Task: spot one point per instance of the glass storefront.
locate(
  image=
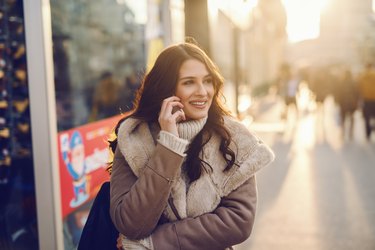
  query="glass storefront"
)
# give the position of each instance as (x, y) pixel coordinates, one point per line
(99, 52)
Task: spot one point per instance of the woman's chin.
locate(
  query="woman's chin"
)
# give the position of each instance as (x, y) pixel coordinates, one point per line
(196, 117)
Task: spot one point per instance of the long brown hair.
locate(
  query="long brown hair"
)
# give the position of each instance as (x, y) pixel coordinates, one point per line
(161, 82)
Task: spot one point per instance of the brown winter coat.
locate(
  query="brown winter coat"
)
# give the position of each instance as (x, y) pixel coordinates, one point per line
(217, 210)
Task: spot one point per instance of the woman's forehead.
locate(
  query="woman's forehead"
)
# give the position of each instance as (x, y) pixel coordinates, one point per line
(193, 67)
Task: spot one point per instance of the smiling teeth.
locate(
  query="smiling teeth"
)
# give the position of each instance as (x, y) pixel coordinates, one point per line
(198, 103)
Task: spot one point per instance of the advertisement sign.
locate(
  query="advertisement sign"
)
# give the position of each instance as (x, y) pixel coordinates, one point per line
(83, 159)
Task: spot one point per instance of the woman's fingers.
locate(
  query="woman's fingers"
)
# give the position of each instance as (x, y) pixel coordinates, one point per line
(170, 106)
(119, 242)
(166, 104)
(170, 114)
(179, 115)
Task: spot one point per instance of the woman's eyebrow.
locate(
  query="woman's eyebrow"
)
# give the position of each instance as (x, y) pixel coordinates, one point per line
(186, 77)
(192, 77)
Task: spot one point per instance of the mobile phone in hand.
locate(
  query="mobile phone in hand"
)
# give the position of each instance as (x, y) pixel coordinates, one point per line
(174, 110)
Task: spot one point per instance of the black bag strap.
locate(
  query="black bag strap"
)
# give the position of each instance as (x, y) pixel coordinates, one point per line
(99, 232)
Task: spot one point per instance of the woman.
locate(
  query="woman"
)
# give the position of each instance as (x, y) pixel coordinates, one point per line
(183, 169)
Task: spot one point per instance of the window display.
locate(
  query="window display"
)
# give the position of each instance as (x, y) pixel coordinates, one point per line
(18, 217)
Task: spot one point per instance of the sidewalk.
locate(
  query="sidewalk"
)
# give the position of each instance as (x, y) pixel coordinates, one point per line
(263, 117)
(318, 193)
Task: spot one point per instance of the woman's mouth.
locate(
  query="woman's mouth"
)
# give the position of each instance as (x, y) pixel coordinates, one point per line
(198, 104)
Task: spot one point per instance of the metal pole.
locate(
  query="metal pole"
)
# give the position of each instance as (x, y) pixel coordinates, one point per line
(43, 122)
(236, 65)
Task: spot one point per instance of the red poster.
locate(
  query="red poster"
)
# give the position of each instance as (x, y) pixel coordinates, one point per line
(83, 158)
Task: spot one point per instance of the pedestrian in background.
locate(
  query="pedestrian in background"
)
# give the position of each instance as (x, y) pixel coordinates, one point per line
(319, 83)
(347, 97)
(284, 75)
(108, 97)
(132, 84)
(367, 92)
(183, 173)
(288, 83)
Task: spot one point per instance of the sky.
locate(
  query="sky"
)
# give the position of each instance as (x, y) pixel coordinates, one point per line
(303, 15)
(303, 18)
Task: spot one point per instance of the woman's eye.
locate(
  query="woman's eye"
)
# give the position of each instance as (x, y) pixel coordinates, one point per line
(188, 82)
(208, 81)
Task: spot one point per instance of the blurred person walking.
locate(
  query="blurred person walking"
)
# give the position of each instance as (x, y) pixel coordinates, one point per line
(288, 84)
(319, 82)
(132, 84)
(367, 94)
(347, 97)
(108, 97)
(183, 173)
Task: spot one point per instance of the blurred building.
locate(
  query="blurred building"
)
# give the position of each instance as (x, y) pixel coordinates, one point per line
(347, 36)
(246, 39)
(266, 42)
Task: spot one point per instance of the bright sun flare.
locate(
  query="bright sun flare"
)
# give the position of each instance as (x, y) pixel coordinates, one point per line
(303, 18)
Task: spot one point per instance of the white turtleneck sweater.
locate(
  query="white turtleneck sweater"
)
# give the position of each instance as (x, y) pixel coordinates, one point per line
(186, 131)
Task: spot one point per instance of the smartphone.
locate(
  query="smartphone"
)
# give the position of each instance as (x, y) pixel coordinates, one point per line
(174, 110)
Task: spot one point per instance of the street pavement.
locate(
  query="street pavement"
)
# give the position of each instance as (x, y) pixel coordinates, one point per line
(319, 193)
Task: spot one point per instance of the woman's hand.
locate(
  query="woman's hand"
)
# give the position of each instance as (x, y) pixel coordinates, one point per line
(168, 117)
(124, 243)
(119, 242)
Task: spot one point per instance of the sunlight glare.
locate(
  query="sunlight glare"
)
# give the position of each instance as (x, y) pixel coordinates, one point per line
(303, 18)
(244, 103)
(237, 10)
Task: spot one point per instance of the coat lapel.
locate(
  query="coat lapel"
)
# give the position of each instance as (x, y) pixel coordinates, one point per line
(135, 143)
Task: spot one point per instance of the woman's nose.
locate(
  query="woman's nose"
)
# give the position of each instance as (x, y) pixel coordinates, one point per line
(201, 89)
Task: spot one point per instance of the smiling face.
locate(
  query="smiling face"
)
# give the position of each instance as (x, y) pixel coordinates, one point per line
(195, 88)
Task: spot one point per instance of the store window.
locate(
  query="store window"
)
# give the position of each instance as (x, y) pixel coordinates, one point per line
(99, 61)
(99, 58)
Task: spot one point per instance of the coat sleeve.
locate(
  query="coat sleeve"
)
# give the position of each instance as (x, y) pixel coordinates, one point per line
(229, 224)
(136, 204)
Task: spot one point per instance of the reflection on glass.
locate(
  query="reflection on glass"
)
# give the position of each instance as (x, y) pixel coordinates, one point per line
(97, 47)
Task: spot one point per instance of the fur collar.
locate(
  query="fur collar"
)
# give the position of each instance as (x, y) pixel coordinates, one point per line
(136, 144)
